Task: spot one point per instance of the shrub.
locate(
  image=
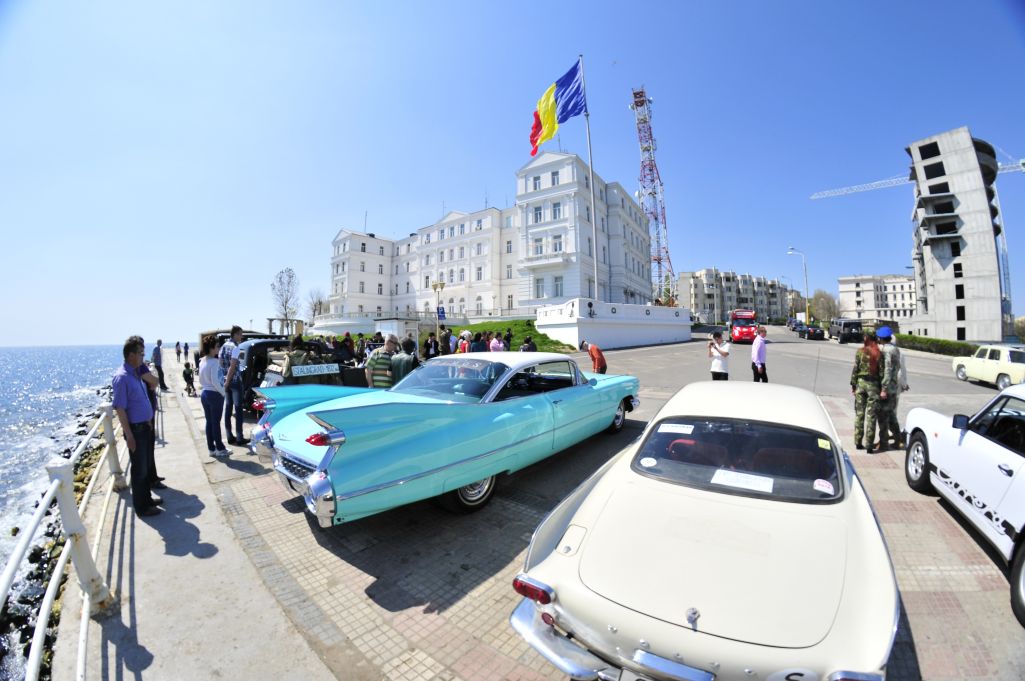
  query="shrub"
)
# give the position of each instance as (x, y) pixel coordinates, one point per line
(938, 346)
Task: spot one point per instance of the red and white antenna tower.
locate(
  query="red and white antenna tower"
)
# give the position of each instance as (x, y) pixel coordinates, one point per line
(653, 203)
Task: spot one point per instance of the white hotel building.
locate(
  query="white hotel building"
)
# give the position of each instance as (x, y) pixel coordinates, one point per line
(500, 262)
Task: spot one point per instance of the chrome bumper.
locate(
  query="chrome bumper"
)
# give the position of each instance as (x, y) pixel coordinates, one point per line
(316, 489)
(634, 403)
(567, 656)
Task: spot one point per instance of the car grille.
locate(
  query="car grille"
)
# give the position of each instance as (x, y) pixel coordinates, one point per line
(300, 470)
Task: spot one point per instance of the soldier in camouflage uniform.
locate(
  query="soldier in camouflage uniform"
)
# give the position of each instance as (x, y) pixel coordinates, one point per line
(865, 387)
(889, 389)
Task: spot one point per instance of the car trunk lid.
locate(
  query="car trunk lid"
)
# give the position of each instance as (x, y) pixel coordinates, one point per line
(759, 571)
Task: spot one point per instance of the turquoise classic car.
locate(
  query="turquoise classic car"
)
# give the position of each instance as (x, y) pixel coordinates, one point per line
(447, 430)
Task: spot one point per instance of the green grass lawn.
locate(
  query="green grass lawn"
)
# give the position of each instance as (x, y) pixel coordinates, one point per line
(521, 328)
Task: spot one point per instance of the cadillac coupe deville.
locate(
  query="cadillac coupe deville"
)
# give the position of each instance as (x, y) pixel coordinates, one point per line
(733, 540)
(449, 429)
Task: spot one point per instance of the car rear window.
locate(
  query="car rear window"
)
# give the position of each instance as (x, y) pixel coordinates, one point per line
(746, 458)
(1017, 356)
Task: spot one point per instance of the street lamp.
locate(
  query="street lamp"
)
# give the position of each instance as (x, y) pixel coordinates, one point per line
(807, 301)
(438, 287)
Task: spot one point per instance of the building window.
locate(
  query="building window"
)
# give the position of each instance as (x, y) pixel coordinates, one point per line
(407, 287)
(587, 182)
(934, 170)
(955, 249)
(588, 212)
(451, 276)
(360, 308)
(557, 243)
(427, 238)
(508, 247)
(537, 214)
(536, 182)
(508, 221)
(508, 271)
(361, 287)
(589, 246)
(958, 273)
(452, 230)
(480, 306)
(959, 291)
(556, 211)
(380, 269)
(380, 250)
(462, 228)
(427, 281)
(539, 288)
(407, 265)
(930, 150)
(944, 207)
(427, 260)
(480, 248)
(363, 247)
(480, 273)
(462, 252)
(441, 256)
(462, 274)
(441, 234)
(343, 267)
(960, 333)
(558, 287)
(509, 301)
(960, 315)
(539, 247)
(362, 266)
(451, 254)
(479, 225)
(603, 254)
(380, 289)
(939, 188)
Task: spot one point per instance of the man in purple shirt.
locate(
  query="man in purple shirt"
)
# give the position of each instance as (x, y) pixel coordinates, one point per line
(758, 357)
(134, 411)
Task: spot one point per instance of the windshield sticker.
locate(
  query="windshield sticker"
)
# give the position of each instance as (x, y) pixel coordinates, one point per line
(824, 443)
(824, 486)
(648, 462)
(684, 428)
(757, 483)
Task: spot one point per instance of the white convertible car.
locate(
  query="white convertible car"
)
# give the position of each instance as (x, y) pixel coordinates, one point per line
(976, 463)
(732, 540)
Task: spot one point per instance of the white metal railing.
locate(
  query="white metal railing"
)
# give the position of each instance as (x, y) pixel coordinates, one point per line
(97, 595)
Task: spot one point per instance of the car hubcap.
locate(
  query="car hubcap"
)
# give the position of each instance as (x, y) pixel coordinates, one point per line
(916, 461)
(1003, 383)
(961, 373)
(477, 491)
(620, 415)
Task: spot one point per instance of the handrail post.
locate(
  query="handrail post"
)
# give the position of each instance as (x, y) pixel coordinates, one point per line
(112, 459)
(89, 578)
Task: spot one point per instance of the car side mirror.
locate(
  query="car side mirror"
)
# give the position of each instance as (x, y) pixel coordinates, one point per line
(960, 422)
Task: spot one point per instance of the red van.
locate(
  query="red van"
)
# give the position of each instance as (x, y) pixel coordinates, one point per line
(743, 324)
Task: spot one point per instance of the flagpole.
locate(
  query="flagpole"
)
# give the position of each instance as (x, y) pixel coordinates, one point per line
(590, 168)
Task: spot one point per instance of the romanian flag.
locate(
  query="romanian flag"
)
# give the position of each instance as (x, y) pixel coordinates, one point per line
(563, 100)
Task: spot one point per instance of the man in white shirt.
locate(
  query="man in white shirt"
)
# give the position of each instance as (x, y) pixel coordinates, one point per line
(719, 352)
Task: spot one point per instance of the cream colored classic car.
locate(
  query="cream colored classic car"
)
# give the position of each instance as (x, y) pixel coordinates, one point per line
(732, 540)
(1001, 365)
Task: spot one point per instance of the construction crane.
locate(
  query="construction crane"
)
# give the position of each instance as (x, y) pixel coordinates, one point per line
(1018, 166)
(653, 203)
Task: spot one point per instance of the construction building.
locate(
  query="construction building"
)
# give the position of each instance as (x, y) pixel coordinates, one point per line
(959, 254)
(504, 262)
(711, 293)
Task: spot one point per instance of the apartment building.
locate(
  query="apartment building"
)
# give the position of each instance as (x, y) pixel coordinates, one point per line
(545, 249)
(711, 293)
(878, 296)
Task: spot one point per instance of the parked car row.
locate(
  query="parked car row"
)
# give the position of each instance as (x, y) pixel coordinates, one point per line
(808, 332)
(732, 539)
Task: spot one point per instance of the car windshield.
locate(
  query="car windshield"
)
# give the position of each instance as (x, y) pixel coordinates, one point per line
(743, 322)
(454, 379)
(748, 458)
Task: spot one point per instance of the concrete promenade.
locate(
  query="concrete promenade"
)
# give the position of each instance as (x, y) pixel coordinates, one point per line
(233, 580)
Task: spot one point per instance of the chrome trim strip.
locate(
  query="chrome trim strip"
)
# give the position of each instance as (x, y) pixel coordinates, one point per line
(670, 668)
(854, 676)
(567, 656)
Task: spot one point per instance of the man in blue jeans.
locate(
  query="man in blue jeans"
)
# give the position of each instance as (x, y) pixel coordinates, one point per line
(232, 386)
(134, 411)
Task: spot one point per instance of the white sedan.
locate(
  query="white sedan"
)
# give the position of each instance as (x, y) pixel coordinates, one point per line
(732, 540)
(976, 463)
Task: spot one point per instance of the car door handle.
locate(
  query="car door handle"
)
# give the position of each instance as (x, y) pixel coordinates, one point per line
(556, 401)
(1005, 469)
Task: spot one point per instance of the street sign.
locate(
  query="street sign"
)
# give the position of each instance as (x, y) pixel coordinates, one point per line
(441, 313)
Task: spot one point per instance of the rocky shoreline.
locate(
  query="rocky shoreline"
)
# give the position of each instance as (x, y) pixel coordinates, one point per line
(20, 612)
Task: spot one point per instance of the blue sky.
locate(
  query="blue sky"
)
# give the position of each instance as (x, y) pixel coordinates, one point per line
(159, 163)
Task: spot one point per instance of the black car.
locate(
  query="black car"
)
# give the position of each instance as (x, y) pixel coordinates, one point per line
(814, 333)
(254, 359)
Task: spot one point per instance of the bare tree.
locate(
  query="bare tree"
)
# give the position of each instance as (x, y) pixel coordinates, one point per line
(316, 303)
(823, 305)
(285, 291)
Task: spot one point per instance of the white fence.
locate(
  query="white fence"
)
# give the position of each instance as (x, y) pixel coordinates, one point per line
(97, 597)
